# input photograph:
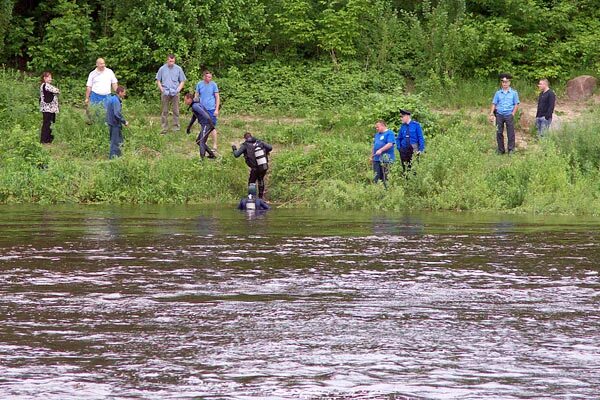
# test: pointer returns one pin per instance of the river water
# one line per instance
(193, 303)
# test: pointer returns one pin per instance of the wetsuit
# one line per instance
(258, 164)
(247, 202)
(200, 114)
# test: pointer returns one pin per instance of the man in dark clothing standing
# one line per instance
(115, 121)
(256, 155)
(200, 114)
(546, 102)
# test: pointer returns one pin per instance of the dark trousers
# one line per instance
(48, 119)
(201, 141)
(507, 120)
(116, 138)
(381, 171)
(406, 155)
(258, 176)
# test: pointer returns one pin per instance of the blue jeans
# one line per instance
(116, 138)
(381, 171)
(96, 110)
(542, 124)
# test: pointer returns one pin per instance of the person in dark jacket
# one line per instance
(115, 121)
(251, 202)
(545, 108)
(200, 114)
(256, 155)
(48, 107)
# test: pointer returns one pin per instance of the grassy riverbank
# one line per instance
(320, 158)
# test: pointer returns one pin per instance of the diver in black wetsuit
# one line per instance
(256, 155)
(200, 114)
(251, 202)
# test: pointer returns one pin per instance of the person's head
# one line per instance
(207, 76)
(100, 64)
(252, 189)
(544, 85)
(188, 99)
(247, 135)
(505, 83)
(405, 115)
(121, 91)
(46, 77)
(380, 126)
(170, 60)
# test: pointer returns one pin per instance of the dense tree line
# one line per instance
(441, 40)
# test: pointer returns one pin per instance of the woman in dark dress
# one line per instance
(48, 106)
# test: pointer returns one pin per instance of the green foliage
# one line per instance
(388, 109)
(22, 148)
(67, 44)
(302, 86)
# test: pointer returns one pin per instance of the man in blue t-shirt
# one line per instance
(207, 92)
(504, 107)
(410, 140)
(383, 151)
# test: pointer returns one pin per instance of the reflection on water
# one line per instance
(159, 303)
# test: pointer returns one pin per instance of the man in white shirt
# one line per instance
(99, 84)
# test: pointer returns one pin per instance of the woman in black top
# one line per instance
(48, 106)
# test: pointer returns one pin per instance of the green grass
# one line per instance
(320, 158)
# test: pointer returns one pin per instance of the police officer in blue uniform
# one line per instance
(410, 140)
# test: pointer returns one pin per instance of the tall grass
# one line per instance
(320, 159)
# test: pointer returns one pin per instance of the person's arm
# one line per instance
(192, 120)
(515, 109)
(181, 80)
(551, 104)
(52, 89)
(493, 107)
(217, 103)
(241, 204)
(238, 152)
(196, 93)
(268, 148)
(383, 149)
(421, 138)
(263, 205)
(88, 91)
(117, 112)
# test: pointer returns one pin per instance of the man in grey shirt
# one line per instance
(170, 80)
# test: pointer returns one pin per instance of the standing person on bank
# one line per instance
(410, 140)
(256, 156)
(115, 121)
(170, 80)
(207, 92)
(383, 152)
(48, 107)
(200, 114)
(545, 108)
(504, 107)
(98, 87)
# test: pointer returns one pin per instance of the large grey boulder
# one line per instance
(581, 87)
